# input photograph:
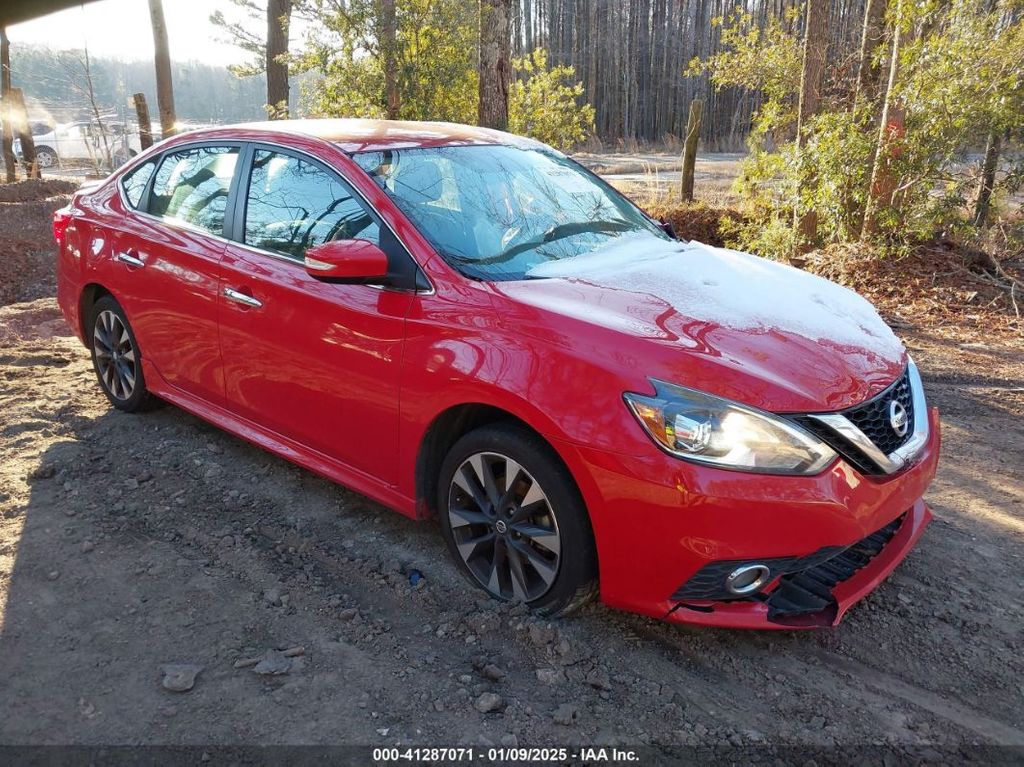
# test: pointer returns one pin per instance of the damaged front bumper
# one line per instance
(815, 591)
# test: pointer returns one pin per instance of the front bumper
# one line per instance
(654, 534)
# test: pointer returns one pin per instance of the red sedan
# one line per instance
(462, 323)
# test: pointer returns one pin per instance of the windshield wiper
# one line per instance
(559, 232)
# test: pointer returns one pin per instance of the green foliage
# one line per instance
(765, 59)
(435, 56)
(544, 103)
(959, 78)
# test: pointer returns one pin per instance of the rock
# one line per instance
(541, 636)
(566, 715)
(131, 483)
(550, 675)
(492, 672)
(274, 663)
(87, 546)
(598, 678)
(53, 575)
(349, 614)
(179, 677)
(45, 471)
(488, 702)
(510, 740)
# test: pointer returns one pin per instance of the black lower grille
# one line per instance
(804, 583)
(809, 591)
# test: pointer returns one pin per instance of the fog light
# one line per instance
(747, 579)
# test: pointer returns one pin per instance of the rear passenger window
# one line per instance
(192, 186)
(135, 182)
(293, 205)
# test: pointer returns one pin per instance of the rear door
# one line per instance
(315, 362)
(167, 260)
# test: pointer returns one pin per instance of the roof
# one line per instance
(16, 11)
(358, 135)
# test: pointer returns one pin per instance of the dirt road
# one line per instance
(131, 542)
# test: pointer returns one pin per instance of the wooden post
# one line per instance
(145, 126)
(162, 62)
(19, 117)
(690, 148)
(7, 141)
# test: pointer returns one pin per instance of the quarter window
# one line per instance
(192, 186)
(134, 184)
(294, 204)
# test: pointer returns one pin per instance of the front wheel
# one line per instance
(515, 522)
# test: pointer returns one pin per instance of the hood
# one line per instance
(728, 323)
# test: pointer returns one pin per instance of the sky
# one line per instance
(121, 29)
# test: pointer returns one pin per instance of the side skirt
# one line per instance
(284, 447)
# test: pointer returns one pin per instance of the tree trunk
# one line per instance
(19, 118)
(389, 53)
(890, 133)
(690, 148)
(870, 72)
(495, 67)
(145, 126)
(162, 61)
(815, 43)
(7, 146)
(278, 17)
(988, 177)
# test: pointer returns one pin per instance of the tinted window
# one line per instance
(192, 185)
(293, 205)
(135, 182)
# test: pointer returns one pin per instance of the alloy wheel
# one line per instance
(115, 355)
(504, 527)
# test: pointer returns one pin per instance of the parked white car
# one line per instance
(84, 142)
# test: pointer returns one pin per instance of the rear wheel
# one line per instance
(515, 522)
(116, 358)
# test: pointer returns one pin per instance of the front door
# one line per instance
(315, 362)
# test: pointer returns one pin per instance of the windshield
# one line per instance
(495, 212)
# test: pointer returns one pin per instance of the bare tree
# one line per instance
(495, 64)
(162, 61)
(815, 45)
(10, 165)
(278, 20)
(890, 132)
(870, 70)
(388, 40)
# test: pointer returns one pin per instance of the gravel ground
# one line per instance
(142, 553)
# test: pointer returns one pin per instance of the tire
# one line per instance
(116, 358)
(531, 543)
(46, 157)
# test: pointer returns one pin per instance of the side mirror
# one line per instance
(347, 261)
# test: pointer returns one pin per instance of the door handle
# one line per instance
(128, 258)
(242, 298)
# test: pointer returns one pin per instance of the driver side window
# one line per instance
(293, 204)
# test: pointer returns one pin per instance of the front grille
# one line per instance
(872, 417)
(810, 591)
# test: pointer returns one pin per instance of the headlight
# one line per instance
(710, 430)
